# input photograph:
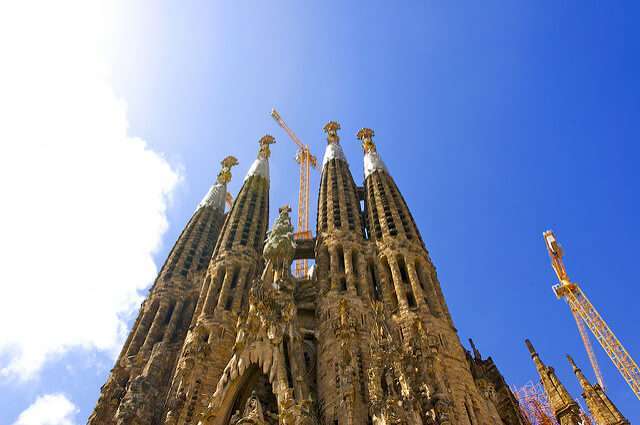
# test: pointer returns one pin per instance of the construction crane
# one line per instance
(306, 161)
(585, 314)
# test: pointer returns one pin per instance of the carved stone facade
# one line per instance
(137, 387)
(228, 336)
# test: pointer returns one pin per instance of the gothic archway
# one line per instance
(249, 399)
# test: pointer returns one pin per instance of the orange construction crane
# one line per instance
(585, 313)
(306, 161)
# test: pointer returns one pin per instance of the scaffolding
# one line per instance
(534, 405)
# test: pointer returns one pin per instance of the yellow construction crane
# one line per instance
(585, 313)
(306, 161)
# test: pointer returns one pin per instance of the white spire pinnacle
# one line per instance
(216, 196)
(372, 160)
(260, 166)
(334, 150)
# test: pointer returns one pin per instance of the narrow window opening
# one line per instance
(167, 317)
(234, 283)
(466, 406)
(411, 299)
(354, 262)
(375, 285)
(383, 384)
(390, 285)
(340, 259)
(287, 362)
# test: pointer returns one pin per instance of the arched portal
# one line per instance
(250, 401)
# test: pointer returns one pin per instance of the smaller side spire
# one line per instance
(372, 160)
(529, 345)
(260, 166)
(564, 408)
(576, 370)
(476, 352)
(334, 150)
(215, 197)
(602, 409)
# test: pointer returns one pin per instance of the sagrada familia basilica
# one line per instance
(228, 336)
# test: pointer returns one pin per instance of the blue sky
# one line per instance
(498, 120)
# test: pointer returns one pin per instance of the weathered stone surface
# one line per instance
(366, 338)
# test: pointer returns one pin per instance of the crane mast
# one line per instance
(305, 160)
(586, 314)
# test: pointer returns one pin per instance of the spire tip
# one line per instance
(331, 128)
(264, 142)
(572, 363)
(224, 176)
(366, 136)
(529, 345)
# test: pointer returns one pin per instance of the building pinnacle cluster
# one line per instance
(228, 336)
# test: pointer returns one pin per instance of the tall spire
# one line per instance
(563, 405)
(334, 150)
(372, 160)
(260, 166)
(576, 370)
(476, 352)
(604, 412)
(140, 380)
(216, 196)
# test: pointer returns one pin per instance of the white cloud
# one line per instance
(82, 203)
(49, 409)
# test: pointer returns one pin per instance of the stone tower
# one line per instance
(603, 411)
(365, 338)
(137, 386)
(237, 258)
(419, 372)
(342, 259)
(564, 407)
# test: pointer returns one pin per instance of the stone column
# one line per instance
(224, 290)
(334, 266)
(386, 284)
(430, 292)
(397, 283)
(415, 284)
(212, 292)
(173, 323)
(156, 328)
(142, 330)
(350, 270)
(363, 277)
(203, 293)
(237, 296)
